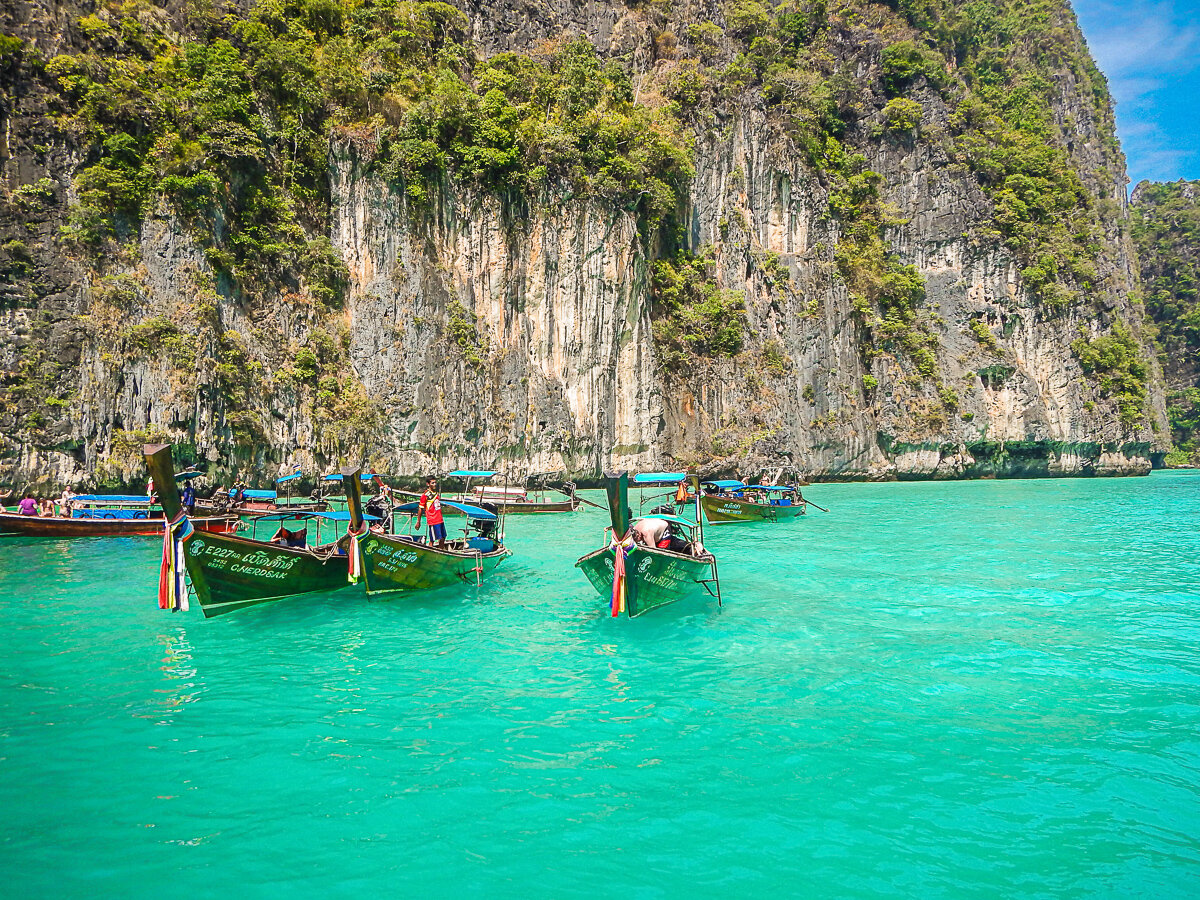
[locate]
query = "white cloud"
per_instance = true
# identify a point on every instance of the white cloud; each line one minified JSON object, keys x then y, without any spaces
{"x":1150,"y":52}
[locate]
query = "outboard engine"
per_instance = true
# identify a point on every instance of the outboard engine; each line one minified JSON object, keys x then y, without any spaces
{"x":485,"y":527}
{"x":379,"y":507}
{"x":664,"y":510}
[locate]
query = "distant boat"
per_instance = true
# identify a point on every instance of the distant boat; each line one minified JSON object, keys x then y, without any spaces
{"x":230,"y":572}
{"x":411,"y":562}
{"x":522,"y":498}
{"x":251,"y":502}
{"x":102,"y":526}
{"x":724,"y":502}
{"x":642,"y":577}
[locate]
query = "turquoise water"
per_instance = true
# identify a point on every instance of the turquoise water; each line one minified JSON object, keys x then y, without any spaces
{"x":934,"y":690}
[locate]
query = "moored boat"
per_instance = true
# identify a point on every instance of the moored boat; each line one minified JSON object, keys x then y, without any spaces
{"x":411,"y":562}
{"x":250,"y":502}
{"x":86,"y":526}
{"x":724,"y":502}
{"x":638,"y":577}
{"x":523,"y":498}
{"x":230,"y":572}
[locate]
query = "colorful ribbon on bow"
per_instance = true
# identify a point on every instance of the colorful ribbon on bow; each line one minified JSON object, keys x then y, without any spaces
{"x":620,"y":550}
{"x":172,"y":586}
{"x":355,"y":571}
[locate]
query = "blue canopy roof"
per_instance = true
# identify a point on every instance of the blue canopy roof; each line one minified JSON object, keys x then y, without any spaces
{"x":659,"y":477}
{"x":366,"y":476}
{"x":773,"y":487}
{"x":335,"y":516}
{"x":288,"y":477}
{"x":727,"y":485}
{"x":254,"y":495}
{"x":471,"y":473}
{"x":473,"y":512}
{"x":184,"y":476}
{"x":112,"y":498}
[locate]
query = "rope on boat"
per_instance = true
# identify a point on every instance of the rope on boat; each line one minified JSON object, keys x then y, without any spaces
{"x":620,"y":550}
{"x":172,"y":583}
{"x":354,"y":572}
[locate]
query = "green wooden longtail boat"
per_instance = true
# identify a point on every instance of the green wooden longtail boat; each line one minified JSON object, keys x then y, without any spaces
{"x":732,"y":501}
{"x":410,"y":563}
{"x":230,"y":572}
{"x":653,"y":576}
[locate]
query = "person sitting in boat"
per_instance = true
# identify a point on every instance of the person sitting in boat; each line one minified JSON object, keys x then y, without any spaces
{"x":66,"y":503}
{"x":239,"y":489}
{"x":28,"y":506}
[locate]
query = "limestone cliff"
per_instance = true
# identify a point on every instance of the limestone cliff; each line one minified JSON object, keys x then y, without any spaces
{"x":900,"y":308}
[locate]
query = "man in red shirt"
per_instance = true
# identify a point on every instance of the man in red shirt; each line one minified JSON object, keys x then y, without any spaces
{"x":430,"y":506}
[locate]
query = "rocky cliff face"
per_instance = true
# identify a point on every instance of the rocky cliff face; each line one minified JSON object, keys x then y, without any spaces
{"x":517,"y":330}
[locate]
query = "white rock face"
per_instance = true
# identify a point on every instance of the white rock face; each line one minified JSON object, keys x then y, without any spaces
{"x":520,"y":334}
{"x":551,"y":366}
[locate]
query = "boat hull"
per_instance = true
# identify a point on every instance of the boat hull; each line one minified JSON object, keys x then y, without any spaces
{"x":253,"y":509}
{"x":230,"y":573}
{"x":724,"y":510}
{"x":518,"y":506}
{"x":54,"y":527}
{"x":393,"y":564}
{"x":653,"y":578}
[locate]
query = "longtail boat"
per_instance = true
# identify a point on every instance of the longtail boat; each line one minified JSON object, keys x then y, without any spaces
{"x":257,"y":503}
{"x":87,"y":526}
{"x":637,"y":578}
{"x":412,"y":562}
{"x":230,"y":572}
{"x":724,"y":502}
{"x":521,"y":498}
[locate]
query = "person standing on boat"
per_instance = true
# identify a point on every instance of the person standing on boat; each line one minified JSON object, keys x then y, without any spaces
{"x":189,"y":498}
{"x":430,"y":506}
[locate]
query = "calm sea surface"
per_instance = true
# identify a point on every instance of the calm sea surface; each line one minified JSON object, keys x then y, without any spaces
{"x":933,"y":690}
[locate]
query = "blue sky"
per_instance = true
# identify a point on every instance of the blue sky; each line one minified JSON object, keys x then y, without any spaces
{"x":1150,"y":51}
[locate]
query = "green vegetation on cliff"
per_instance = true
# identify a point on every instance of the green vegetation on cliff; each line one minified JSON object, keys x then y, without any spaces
{"x":1166,"y":230}
{"x":696,"y":319}
{"x":1115,"y":362}
{"x":997,"y":65}
{"x":234,"y":130}
{"x":228,"y":121}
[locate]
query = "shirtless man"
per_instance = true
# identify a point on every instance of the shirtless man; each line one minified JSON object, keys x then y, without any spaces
{"x":649,"y":531}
